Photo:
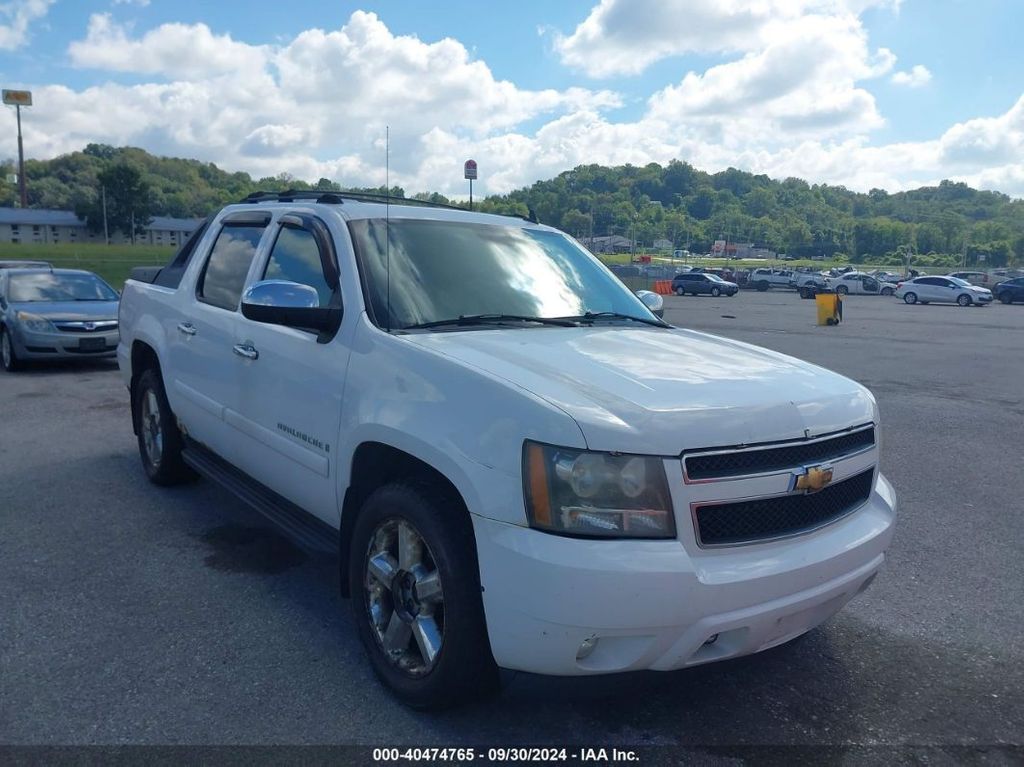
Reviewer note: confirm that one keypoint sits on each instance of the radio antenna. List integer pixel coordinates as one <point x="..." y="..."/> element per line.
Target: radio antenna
<point x="387" y="218"/>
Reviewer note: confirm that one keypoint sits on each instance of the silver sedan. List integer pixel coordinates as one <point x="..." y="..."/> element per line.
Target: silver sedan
<point x="55" y="313"/>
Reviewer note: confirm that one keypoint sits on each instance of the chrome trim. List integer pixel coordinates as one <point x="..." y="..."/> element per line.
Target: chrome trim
<point x="776" y="446"/>
<point x="694" y="505"/>
<point x="84" y="326"/>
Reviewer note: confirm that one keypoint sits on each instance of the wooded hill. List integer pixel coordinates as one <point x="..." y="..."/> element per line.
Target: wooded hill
<point x="675" y="202"/>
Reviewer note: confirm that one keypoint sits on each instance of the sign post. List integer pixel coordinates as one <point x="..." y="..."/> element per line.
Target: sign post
<point x="469" y="172"/>
<point x="19" y="99"/>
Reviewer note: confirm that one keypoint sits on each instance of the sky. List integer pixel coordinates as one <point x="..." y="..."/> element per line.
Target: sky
<point x="890" y="94"/>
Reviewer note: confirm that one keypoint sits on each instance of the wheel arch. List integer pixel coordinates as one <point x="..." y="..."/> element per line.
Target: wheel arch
<point x="375" y="464"/>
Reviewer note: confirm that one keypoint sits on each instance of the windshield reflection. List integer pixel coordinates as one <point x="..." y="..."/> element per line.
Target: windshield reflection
<point x="442" y="270"/>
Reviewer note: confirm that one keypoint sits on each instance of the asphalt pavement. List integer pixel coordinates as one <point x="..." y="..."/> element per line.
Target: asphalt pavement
<point x="135" y="614"/>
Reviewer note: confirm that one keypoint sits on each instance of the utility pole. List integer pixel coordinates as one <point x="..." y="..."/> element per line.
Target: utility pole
<point x="106" y="232"/>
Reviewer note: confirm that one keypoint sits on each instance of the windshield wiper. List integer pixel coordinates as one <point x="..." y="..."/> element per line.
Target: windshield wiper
<point x="492" y="319"/>
<point x="591" y="316"/>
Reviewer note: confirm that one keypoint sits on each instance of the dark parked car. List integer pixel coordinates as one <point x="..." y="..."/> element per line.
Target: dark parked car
<point x="1010" y="291"/>
<point x="703" y="283"/>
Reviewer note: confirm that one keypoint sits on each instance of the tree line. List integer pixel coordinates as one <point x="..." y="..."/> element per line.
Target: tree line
<point x="675" y="203"/>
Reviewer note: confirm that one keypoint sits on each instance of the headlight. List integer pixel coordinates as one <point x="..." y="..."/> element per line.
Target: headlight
<point x="604" y="495"/>
<point x="35" y="323"/>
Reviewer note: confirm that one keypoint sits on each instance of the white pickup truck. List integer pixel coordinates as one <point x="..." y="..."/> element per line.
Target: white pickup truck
<point x="517" y="463"/>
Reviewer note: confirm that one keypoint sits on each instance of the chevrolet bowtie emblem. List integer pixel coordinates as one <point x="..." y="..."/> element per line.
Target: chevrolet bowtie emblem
<point x="813" y="479"/>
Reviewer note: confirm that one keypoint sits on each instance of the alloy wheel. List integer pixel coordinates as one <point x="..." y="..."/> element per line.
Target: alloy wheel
<point x="404" y="597"/>
<point x="152" y="432"/>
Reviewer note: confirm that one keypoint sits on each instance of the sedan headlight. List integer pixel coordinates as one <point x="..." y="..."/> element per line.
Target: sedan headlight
<point x="35" y="323"/>
<point x="601" y="495"/>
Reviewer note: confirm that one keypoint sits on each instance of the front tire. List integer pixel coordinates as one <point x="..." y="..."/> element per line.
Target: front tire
<point x="160" y="441"/>
<point x="680" y="292"/>
<point x="1006" y="298"/>
<point x="910" y="298"/>
<point x="762" y="286"/>
<point x="715" y="292"/>
<point x="842" y="290"/>
<point x="963" y="300"/>
<point x="413" y="576"/>
<point x="8" y="357"/>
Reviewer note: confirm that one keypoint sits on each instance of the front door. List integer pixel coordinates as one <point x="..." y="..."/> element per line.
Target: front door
<point x="289" y="404"/>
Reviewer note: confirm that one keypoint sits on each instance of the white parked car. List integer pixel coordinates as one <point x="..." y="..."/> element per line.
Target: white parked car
<point x="516" y="462"/>
<point x="943" y="290"/>
<point x="859" y="283"/>
<point x="764" y="278"/>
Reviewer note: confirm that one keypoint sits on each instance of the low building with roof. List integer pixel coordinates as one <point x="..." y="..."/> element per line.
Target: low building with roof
<point x="39" y="225"/>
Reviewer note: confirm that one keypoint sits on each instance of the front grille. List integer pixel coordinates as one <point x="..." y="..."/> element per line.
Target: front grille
<point x="747" y="521"/>
<point x="762" y="460"/>
<point x="79" y="327"/>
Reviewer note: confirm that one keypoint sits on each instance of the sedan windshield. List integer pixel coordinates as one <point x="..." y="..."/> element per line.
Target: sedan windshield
<point x="714" y="278"/>
<point x="49" y="286"/>
<point x="443" y="271"/>
<point x="958" y="281"/>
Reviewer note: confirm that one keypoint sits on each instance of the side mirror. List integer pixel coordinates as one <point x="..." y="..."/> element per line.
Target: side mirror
<point x="279" y="302"/>
<point x="652" y="301"/>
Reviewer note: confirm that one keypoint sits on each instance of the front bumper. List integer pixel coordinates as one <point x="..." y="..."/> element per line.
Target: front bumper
<point x="664" y="605"/>
<point x="64" y="345"/>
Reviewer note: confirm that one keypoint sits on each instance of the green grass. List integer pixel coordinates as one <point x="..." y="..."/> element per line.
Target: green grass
<point x="111" y="262"/>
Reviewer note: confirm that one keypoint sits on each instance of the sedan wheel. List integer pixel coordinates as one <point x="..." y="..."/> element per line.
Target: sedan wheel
<point x="680" y="292"/>
<point x="886" y="291"/>
<point x="842" y="290"/>
<point x="716" y="292"/>
<point x="9" y="359"/>
<point x="964" y="300"/>
<point x="910" y="298"/>
<point x="1006" y="299"/>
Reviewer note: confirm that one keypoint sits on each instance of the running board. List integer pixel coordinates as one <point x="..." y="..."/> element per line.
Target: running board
<point x="302" y="527"/>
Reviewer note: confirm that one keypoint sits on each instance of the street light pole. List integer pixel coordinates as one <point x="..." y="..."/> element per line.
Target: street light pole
<point x="22" y="190"/>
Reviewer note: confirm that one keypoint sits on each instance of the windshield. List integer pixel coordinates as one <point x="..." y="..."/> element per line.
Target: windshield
<point x="442" y="270"/>
<point x="714" y="277"/>
<point x="49" y="286"/>
<point x="958" y="281"/>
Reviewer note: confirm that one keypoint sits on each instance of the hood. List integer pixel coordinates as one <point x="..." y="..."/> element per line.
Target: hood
<point x="69" y="310"/>
<point x="656" y="391"/>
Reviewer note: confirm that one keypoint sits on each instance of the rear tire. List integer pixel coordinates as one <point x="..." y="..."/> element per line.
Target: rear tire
<point x="1006" y="299"/>
<point x="429" y="647"/>
<point x="680" y="292"/>
<point x="910" y="298"/>
<point x="160" y="441"/>
<point x="762" y="286"/>
<point x="887" y="291"/>
<point x="8" y="357"/>
<point x="842" y="290"/>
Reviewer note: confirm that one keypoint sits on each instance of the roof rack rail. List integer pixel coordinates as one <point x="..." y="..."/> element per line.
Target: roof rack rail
<point x="338" y="198"/>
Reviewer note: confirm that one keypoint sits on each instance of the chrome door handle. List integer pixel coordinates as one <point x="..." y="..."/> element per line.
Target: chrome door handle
<point x="187" y="328"/>
<point x="246" y="350"/>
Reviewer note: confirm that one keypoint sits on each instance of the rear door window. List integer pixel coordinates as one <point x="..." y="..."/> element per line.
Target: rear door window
<point x="228" y="265"/>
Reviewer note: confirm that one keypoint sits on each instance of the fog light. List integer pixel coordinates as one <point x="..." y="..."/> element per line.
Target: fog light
<point x="586" y="647"/>
<point x="710" y="640"/>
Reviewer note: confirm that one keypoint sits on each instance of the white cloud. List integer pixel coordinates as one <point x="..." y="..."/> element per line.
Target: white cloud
<point x="174" y="50"/>
<point x="624" y="37"/>
<point x="140" y="3"/>
<point x="916" y="77"/>
<point x="15" y="18"/>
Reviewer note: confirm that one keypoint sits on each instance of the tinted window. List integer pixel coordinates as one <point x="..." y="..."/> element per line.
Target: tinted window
<point x="224" y="275"/>
<point x="50" y="286"/>
<point x="296" y="258"/>
<point x="929" y="281"/>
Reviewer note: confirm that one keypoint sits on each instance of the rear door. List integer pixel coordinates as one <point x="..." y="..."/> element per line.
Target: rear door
<point x="291" y="382"/>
